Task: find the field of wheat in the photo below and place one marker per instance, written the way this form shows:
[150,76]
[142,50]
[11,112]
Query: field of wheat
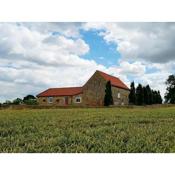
[91,130]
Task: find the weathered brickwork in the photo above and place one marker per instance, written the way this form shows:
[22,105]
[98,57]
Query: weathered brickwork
[94,91]
[120,96]
[60,101]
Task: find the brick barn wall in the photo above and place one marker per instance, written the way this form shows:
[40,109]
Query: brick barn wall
[59,100]
[124,94]
[94,91]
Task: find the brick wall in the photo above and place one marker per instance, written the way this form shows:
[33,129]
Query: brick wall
[120,96]
[94,92]
[60,100]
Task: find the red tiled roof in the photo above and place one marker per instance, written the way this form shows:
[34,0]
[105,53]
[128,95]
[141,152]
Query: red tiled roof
[61,92]
[69,91]
[114,80]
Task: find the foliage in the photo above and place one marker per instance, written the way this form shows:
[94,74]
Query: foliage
[88,130]
[17,101]
[29,97]
[30,100]
[159,98]
[148,96]
[132,95]
[170,90]
[144,95]
[139,95]
[108,99]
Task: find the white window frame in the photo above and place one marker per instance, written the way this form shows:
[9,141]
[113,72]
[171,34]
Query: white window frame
[49,99]
[118,95]
[77,98]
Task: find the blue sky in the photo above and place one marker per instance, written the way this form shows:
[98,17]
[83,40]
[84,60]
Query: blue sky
[102,52]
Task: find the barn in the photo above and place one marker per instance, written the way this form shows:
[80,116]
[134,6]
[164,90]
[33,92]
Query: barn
[90,94]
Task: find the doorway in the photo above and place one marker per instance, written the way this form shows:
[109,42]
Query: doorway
[66,100]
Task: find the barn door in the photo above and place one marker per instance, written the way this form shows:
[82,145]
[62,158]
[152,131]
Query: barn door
[66,100]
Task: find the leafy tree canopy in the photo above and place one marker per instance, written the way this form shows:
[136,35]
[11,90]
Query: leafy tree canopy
[17,101]
[29,97]
[132,94]
[170,90]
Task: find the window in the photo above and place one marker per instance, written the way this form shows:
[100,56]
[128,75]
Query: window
[44,100]
[58,100]
[78,100]
[118,95]
[50,99]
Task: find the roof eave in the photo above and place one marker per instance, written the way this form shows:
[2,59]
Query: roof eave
[121,87]
[58,95]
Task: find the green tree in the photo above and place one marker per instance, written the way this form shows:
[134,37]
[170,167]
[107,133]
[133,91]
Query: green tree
[153,97]
[159,98]
[30,100]
[139,95]
[132,94]
[108,99]
[29,97]
[145,95]
[17,101]
[170,90]
[148,98]
[156,97]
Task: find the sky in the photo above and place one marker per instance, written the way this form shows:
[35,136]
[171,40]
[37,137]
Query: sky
[38,56]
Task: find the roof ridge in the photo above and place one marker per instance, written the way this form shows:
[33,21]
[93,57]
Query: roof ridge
[66,87]
[113,80]
[107,74]
[61,91]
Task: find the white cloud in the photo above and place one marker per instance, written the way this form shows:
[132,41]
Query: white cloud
[33,59]
[67,29]
[153,42]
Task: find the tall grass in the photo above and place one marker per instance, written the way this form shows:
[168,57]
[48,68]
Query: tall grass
[106,130]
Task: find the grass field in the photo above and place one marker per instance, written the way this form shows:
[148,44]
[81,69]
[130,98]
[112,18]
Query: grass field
[107,130]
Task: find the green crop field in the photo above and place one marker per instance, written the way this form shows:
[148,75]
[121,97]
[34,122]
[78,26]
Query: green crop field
[106,130]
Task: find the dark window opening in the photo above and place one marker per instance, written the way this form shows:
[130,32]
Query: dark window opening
[77,100]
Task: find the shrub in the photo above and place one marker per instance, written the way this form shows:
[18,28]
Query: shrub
[17,101]
[31,102]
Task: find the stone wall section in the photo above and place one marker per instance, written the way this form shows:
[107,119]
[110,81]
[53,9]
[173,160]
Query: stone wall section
[94,91]
[120,96]
[60,100]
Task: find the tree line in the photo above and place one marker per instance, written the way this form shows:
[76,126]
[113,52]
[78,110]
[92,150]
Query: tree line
[144,95]
[28,100]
